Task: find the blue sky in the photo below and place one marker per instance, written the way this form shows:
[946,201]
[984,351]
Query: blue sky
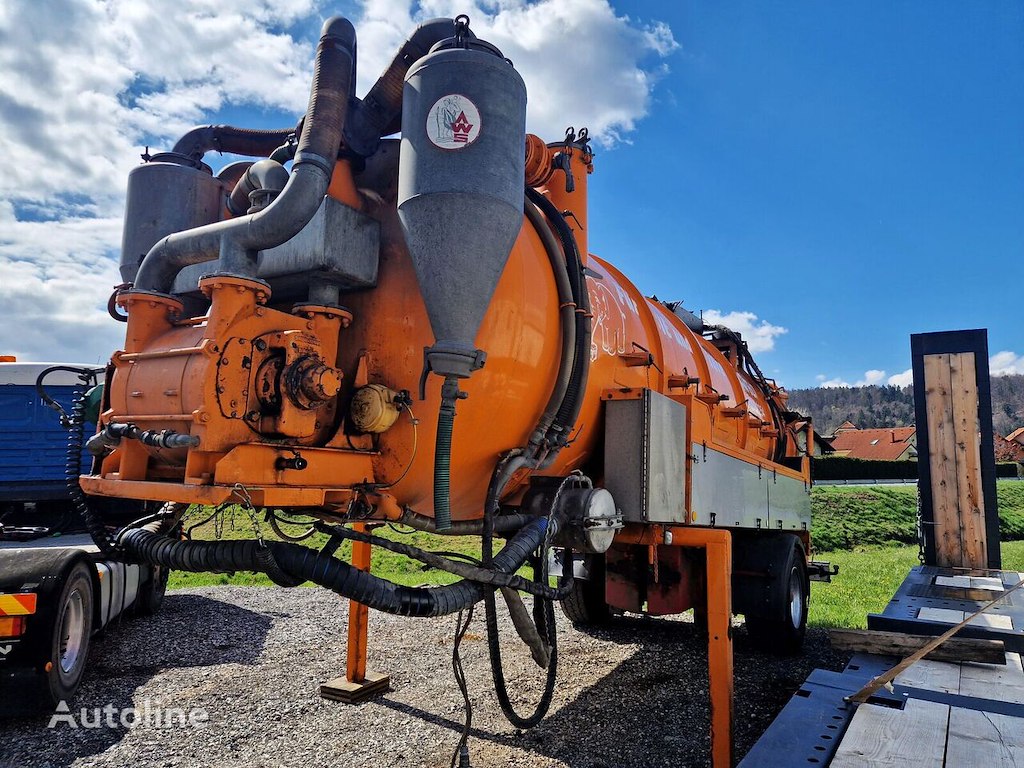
[852,172]
[829,177]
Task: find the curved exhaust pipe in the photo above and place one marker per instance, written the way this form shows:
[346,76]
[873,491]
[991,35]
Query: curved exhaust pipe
[237,241]
[380,112]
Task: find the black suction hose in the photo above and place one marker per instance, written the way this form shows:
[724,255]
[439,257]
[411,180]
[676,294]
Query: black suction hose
[544,615]
[300,564]
[567,318]
[569,411]
[101,537]
[443,454]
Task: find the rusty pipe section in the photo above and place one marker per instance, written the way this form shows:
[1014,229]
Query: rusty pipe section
[236,242]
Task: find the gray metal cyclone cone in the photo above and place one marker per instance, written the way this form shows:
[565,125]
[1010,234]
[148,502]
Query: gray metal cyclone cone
[460,189]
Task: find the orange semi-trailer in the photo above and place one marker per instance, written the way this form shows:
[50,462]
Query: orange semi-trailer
[414,330]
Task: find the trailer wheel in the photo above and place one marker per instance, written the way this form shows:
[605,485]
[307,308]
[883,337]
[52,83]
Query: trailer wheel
[585,605]
[782,630]
[69,641]
[151,596]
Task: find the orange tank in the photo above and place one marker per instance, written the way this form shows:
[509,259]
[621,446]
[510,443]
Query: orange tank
[213,376]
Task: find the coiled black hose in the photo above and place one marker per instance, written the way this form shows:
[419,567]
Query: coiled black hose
[101,537]
[569,411]
[301,563]
[443,454]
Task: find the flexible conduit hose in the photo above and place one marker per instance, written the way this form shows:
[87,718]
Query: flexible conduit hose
[76,438]
[443,454]
[567,317]
[569,410]
[236,241]
[380,111]
[543,609]
[300,564]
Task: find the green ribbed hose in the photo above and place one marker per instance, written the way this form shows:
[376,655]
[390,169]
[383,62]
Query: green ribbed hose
[443,454]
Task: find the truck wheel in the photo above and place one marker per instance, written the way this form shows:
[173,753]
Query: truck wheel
[782,630]
[72,628]
[151,595]
[585,606]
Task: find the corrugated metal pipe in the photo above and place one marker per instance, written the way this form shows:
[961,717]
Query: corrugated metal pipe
[380,111]
[237,241]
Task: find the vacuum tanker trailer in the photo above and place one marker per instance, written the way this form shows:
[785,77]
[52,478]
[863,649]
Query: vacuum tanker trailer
[288,315]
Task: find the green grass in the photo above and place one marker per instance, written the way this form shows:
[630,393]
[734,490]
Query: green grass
[848,516]
[868,578]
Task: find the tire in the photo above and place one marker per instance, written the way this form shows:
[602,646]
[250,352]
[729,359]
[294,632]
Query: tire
[151,594]
[70,634]
[782,630]
[585,606]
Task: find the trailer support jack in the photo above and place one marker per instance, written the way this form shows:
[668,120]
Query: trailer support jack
[359,684]
[717,543]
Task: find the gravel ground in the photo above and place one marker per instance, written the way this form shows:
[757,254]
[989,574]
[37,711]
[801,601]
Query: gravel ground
[634,694]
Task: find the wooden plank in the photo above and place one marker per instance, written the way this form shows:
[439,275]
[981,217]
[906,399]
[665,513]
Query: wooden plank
[933,675]
[967,431]
[1000,683]
[900,644]
[984,739]
[942,460]
[908,738]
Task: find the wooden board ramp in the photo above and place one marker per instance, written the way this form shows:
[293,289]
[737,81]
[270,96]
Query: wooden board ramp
[937,713]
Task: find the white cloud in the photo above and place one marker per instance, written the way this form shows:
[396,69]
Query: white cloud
[87,84]
[904,379]
[826,383]
[1006,363]
[759,334]
[584,65]
[873,376]
[870,377]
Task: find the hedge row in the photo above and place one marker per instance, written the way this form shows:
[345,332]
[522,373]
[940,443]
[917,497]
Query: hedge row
[849,468]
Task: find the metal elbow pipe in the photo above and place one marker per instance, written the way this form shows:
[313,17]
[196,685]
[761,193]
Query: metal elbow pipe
[380,111]
[235,242]
[265,174]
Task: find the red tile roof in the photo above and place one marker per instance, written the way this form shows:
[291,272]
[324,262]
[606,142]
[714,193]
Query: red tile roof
[885,444]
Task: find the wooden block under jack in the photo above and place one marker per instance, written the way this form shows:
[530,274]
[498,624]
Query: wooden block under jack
[344,690]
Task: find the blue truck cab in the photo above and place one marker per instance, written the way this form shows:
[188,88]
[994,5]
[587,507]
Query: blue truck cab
[56,589]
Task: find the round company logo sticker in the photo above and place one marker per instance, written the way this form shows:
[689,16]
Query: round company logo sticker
[453,122]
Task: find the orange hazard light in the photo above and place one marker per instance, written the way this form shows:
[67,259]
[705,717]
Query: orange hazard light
[12,626]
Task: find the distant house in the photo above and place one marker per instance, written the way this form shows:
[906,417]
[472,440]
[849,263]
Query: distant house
[890,444]
[1011,447]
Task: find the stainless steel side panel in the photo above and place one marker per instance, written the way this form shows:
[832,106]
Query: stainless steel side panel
[645,458]
[789,503]
[744,495]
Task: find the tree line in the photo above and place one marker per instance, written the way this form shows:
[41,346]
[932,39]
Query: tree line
[877,406]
